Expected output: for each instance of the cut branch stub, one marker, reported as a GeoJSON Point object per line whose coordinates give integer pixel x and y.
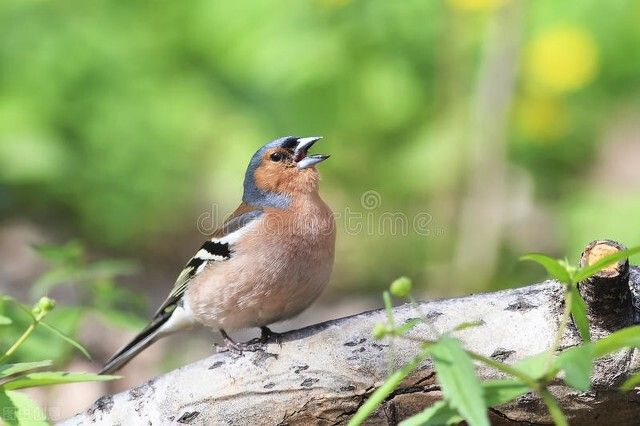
{"type": "Point", "coordinates": [607, 293]}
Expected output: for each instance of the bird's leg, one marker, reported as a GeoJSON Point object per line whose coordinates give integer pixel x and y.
{"type": "Point", "coordinates": [231, 346]}
{"type": "Point", "coordinates": [266, 334]}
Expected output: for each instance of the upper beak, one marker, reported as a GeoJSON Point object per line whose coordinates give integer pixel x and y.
{"type": "Point", "coordinates": [300, 156]}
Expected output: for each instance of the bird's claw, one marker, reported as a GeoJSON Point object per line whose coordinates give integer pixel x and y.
{"type": "Point", "coordinates": [267, 335]}
{"type": "Point", "coordinates": [239, 348]}
{"type": "Point", "coordinates": [253, 345]}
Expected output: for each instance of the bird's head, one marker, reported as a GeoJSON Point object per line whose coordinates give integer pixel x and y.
{"type": "Point", "coordinates": [281, 170]}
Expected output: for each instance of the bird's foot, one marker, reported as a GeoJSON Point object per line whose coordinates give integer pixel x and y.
{"type": "Point", "coordinates": [267, 335]}
{"type": "Point", "coordinates": [239, 348]}
{"type": "Point", "coordinates": [229, 345]}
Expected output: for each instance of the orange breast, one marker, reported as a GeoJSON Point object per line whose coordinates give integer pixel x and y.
{"type": "Point", "coordinates": [276, 270]}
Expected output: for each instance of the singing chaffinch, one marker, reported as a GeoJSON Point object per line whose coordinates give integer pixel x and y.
{"type": "Point", "coordinates": [268, 262]}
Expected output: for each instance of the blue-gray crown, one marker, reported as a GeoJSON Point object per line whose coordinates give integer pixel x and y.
{"type": "Point", "coordinates": [256, 196]}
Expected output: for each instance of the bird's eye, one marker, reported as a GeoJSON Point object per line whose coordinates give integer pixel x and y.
{"type": "Point", "coordinates": [276, 156]}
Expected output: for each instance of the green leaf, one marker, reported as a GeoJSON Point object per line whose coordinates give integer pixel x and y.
{"type": "Point", "coordinates": [554, 409]}
{"type": "Point", "coordinates": [577, 363]}
{"type": "Point", "coordinates": [468, 324]}
{"type": "Point", "coordinates": [579, 313]}
{"type": "Point", "coordinates": [44, 344]}
{"type": "Point", "coordinates": [66, 338]}
{"type": "Point", "coordinates": [26, 309]}
{"type": "Point", "coordinates": [498, 392]}
{"type": "Point", "coordinates": [385, 390]}
{"type": "Point", "coordinates": [47, 378]}
{"type": "Point", "coordinates": [440, 413]}
{"type": "Point", "coordinates": [21, 367]}
{"type": "Point", "coordinates": [111, 268]}
{"type": "Point", "coordinates": [534, 366]}
{"type": "Point", "coordinates": [5, 320]}
{"type": "Point", "coordinates": [402, 329]}
{"type": "Point", "coordinates": [631, 383]}
{"type": "Point", "coordinates": [587, 271]}
{"type": "Point", "coordinates": [72, 251]}
{"type": "Point", "coordinates": [17, 409]}
{"type": "Point", "coordinates": [458, 380]}
{"type": "Point", "coordinates": [554, 267]}
{"type": "Point", "coordinates": [626, 338]}
{"type": "Point", "coordinates": [62, 275]}
{"type": "Point", "coordinates": [74, 274]}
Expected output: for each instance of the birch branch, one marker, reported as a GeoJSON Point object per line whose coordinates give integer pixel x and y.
{"type": "Point", "coordinates": [321, 374]}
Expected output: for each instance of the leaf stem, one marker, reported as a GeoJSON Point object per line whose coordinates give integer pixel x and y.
{"type": "Point", "coordinates": [554, 409]}
{"type": "Point", "coordinates": [22, 338]}
{"type": "Point", "coordinates": [388, 306]}
{"type": "Point", "coordinates": [19, 342]}
{"type": "Point", "coordinates": [387, 387]}
{"type": "Point", "coordinates": [425, 319]}
{"type": "Point", "coordinates": [500, 366]}
{"type": "Point", "coordinates": [562, 326]}
{"type": "Point", "coordinates": [505, 368]}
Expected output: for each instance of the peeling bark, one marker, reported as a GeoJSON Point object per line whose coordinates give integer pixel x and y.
{"type": "Point", "coordinates": [323, 373]}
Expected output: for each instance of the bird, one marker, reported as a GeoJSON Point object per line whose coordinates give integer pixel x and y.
{"type": "Point", "coordinates": [268, 262]}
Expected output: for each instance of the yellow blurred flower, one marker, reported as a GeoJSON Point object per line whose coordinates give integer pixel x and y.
{"type": "Point", "coordinates": [562, 60]}
{"type": "Point", "coordinates": [542, 118]}
{"type": "Point", "coordinates": [475, 5]}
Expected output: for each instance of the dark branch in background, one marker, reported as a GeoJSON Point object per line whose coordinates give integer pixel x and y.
{"type": "Point", "coordinates": [322, 374]}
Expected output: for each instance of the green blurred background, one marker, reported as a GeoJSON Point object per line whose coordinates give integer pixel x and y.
{"type": "Point", "coordinates": [513, 126]}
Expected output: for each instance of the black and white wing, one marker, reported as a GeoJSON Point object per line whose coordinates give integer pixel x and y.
{"type": "Point", "coordinates": [171, 315]}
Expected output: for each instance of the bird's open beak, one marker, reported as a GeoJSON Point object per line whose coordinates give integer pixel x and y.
{"type": "Point", "coordinates": [300, 156]}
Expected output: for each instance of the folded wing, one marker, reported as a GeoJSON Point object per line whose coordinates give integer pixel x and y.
{"type": "Point", "coordinates": [172, 315]}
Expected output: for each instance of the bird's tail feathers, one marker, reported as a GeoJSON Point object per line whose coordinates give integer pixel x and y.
{"type": "Point", "coordinates": [126, 354]}
{"type": "Point", "coordinates": [163, 323]}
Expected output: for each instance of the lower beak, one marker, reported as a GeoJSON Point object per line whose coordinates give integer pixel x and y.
{"type": "Point", "coordinates": [311, 160]}
{"type": "Point", "coordinates": [304, 161]}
